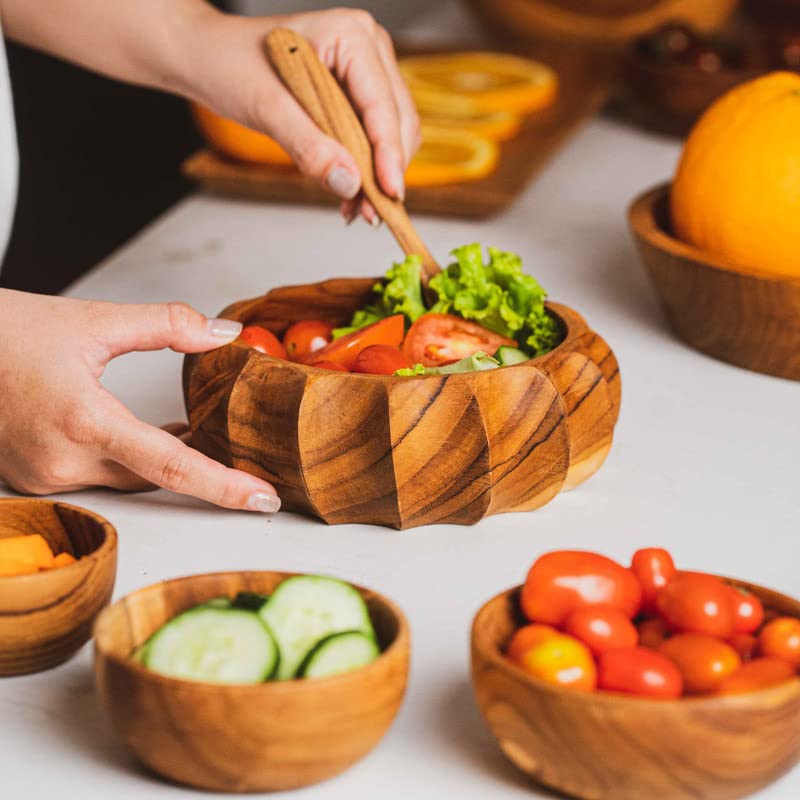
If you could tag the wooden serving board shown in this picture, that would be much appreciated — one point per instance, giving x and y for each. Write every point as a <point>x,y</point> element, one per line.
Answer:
<point>585,81</point>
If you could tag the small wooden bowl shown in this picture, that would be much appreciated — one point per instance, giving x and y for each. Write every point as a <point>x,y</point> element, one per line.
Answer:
<point>749,320</point>
<point>402,452</point>
<point>599,23</point>
<point>47,616</point>
<point>604,746</point>
<point>249,738</point>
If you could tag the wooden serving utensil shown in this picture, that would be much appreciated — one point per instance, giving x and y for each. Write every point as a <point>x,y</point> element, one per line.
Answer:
<point>320,94</point>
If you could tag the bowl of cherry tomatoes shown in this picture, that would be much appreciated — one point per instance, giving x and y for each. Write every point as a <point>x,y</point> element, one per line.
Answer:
<point>606,681</point>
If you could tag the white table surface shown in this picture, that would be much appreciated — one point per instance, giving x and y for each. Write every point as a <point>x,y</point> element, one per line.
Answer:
<point>704,462</point>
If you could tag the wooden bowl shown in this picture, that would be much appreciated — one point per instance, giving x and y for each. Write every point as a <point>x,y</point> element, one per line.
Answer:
<point>47,616</point>
<point>402,452</point>
<point>744,318</point>
<point>601,23</point>
<point>247,738</point>
<point>604,746</point>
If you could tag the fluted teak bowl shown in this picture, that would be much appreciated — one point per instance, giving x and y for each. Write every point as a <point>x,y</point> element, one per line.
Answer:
<point>402,452</point>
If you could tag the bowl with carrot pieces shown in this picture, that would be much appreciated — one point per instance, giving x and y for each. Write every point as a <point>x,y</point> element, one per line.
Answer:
<point>603,680</point>
<point>398,402</point>
<point>57,569</point>
<point>252,681</point>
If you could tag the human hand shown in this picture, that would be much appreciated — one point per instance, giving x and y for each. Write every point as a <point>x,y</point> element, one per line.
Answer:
<point>230,74</point>
<point>61,430</point>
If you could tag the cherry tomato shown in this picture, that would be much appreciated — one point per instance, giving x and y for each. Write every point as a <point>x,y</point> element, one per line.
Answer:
<point>602,628</point>
<point>652,632</point>
<point>745,644</point>
<point>263,340</point>
<point>748,612</point>
<point>306,337</point>
<point>654,568</point>
<point>756,674</point>
<point>696,603</point>
<point>562,660</point>
<point>704,661</point>
<point>639,671</point>
<point>561,581</point>
<point>435,339</point>
<point>345,349</point>
<point>527,637</point>
<point>380,359</point>
<point>781,638</point>
<point>331,365</point>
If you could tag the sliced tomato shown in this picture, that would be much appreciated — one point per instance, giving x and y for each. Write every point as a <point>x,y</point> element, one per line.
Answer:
<point>345,350</point>
<point>263,340</point>
<point>331,366</point>
<point>437,339</point>
<point>305,337</point>
<point>380,359</point>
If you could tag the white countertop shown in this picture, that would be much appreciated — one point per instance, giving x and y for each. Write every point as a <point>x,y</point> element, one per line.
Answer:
<point>704,463</point>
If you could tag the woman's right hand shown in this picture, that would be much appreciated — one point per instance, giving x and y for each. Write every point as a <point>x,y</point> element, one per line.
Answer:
<point>61,430</point>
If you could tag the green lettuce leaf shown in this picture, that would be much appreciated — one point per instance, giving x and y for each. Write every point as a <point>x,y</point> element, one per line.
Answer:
<point>474,363</point>
<point>410,372</point>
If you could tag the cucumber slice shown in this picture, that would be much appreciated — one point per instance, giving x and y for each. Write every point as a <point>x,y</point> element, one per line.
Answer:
<point>215,645</point>
<point>250,601</point>
<point>342,652</point>
<point>510,355</point>
<point>307,608</point>
<point>218,602</point>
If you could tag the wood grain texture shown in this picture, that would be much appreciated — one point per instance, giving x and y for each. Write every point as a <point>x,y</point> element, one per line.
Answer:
<point>603,746</point>
<point>319,93</point>
<point>402,452</point>
<point>48,616</point>
<point>747,319</point>
<point>604,23</point>
<point>265,737</point>
<point>584,84</point>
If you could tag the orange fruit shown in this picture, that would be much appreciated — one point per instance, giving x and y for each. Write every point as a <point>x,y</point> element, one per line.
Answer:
<point>451,156</point>
<point>736,193</point>
<point>499,126</point>
<point>237,141</point>
<point>480,82</point>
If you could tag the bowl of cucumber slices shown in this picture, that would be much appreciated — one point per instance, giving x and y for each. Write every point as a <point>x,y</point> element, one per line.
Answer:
<point>251,681</point>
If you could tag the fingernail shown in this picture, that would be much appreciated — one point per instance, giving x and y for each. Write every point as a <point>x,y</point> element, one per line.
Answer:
<point>264,502</point>
<point>376,221</point>
<point>342,182</point>
<point>399,183</point>
<point>224,328</point>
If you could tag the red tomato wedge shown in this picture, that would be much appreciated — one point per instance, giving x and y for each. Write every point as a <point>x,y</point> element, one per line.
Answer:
<point>437,339</point>
<point>345,350</point>
<point>380,359</point>
<point>263,340</point>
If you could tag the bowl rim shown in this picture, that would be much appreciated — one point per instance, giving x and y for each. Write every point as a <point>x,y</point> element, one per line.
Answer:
<point>500,661</point>
<point>642,221</point>
<point>108,546</point>
<point>400,643</point>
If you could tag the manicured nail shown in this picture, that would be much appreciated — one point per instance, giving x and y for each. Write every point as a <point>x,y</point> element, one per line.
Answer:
<point>264,502</point>
<point>397,180</point>
<point>342,182</point>
<point>224,328</point>
<point>376,221</point>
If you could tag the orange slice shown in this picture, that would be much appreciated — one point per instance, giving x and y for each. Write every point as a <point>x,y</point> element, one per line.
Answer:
<point>481,82</point>
<point>450,156</point>
<point>499,126</point>
<point>238,141</point>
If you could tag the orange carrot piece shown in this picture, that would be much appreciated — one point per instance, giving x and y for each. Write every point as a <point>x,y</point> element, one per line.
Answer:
<point>8,568</point>
<point>62,560</point>
<point>27,549</point>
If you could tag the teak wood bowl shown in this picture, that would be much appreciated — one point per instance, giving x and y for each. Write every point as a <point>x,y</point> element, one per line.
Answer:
<point>46,617</point>
<point>744,318</point>
<point>599,23</point>
<point>604,746</point>
<point>402,452</point>
<point>265,737</point>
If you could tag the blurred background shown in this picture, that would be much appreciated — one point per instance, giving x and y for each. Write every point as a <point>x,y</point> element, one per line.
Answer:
<point>99,160</point>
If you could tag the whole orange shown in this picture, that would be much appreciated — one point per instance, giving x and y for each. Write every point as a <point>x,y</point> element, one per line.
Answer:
<point>736,193</point>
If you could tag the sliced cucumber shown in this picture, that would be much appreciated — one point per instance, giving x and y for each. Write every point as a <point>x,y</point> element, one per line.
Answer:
<point>341,652</point>
<point>250,601</point>
<point>216,645</point>
<point>218,602</point>
<point>510,355</point>
<point>307,608</point>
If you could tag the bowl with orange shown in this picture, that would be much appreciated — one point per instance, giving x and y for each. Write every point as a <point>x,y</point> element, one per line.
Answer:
<point>58,563</point>
<point>720,242</point>
<point>607,681</point>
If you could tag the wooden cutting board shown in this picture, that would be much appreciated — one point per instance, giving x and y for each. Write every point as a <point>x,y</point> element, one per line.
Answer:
<point>585,81</point>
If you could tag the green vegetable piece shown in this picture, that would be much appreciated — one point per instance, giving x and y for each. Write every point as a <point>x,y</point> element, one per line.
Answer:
<point>339,653</point>
<point>410,372</point>
<point>474,363</point>
<point>510,355</point>
<point>249,601</point>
